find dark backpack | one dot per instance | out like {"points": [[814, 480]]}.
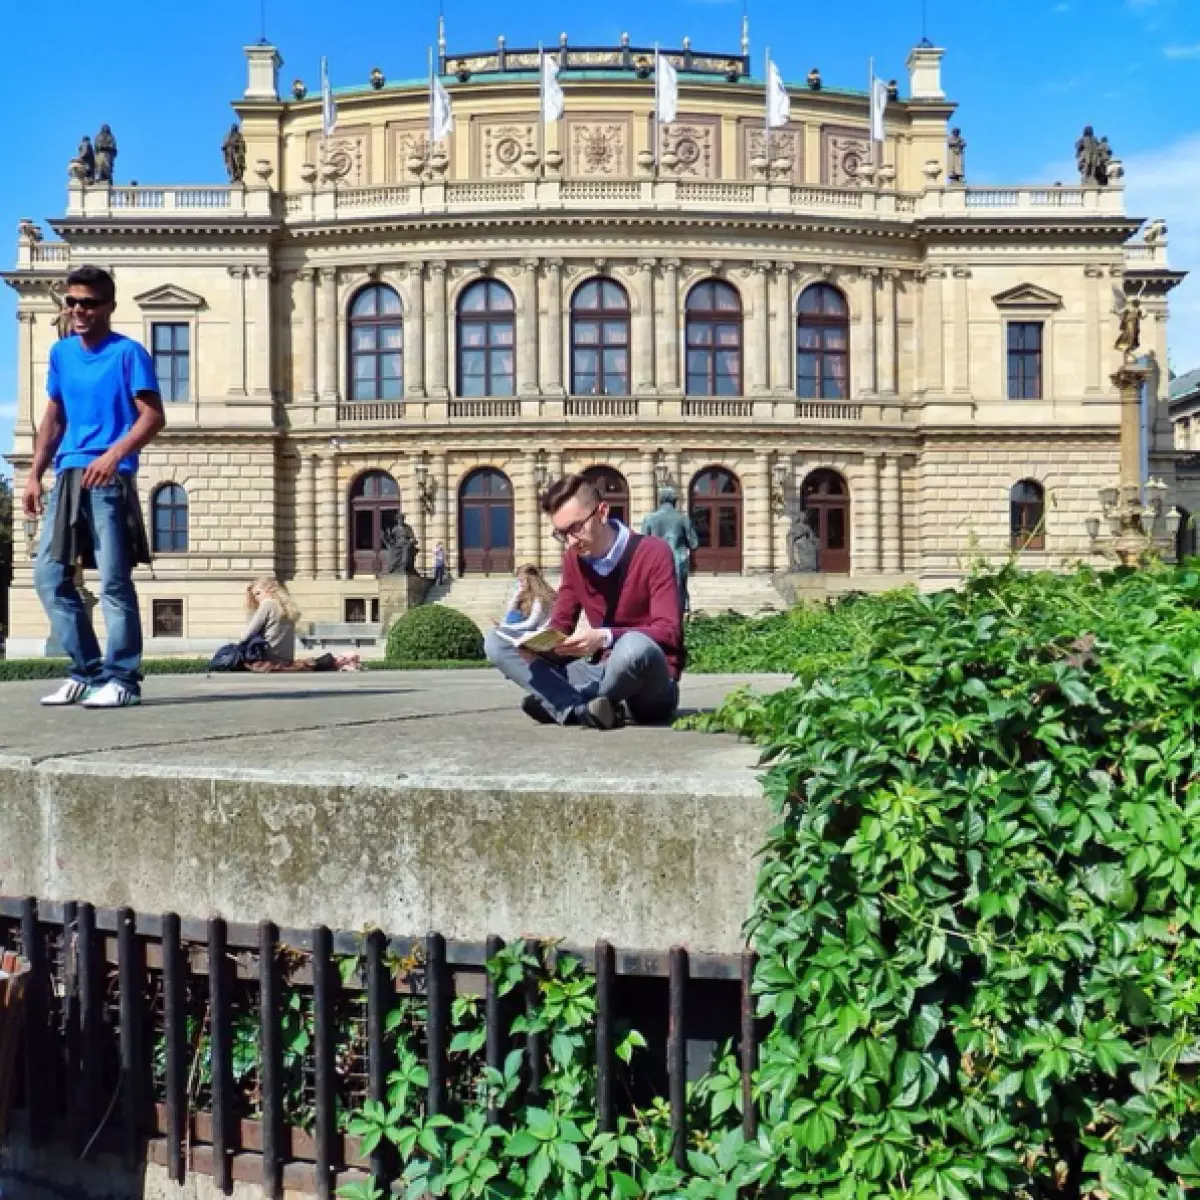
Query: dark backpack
{"points": [[236, 655]]}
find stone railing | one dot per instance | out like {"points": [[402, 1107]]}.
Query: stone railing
{"points": [[104, 200], [49, 256], [600, 406], [1024, 201], [353, 411], [1146, 255]]}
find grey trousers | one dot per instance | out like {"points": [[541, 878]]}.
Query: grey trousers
{"points": [[635, 672]]}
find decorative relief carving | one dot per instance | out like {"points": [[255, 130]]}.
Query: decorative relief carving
{"points": [[845, 153], [503, 148], [787, 151], [598, 148], [344, 157], [408, 151], [691, 148]]}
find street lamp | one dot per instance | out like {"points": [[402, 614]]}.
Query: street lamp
{"points": [[662, 476], [779, 481], [426, 484], [30, 525], [541, 473], [1136, 528]]}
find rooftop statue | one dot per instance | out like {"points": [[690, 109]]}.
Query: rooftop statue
{"points": [[956, 149], [234, 150], [106, 155], [1130, 336], [1093, 157], [676, 529], [83, 165]]}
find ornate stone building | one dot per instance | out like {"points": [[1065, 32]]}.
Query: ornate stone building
{"points": [[812, 327]]}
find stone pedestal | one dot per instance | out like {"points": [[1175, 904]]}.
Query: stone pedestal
{"points": [[397, 594]]}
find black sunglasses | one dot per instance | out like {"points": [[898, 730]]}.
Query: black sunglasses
{"points": [[87, 303]]}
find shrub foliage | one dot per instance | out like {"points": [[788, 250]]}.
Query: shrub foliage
{"points": [[434, 632]]}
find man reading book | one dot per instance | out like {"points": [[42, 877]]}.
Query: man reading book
{"points": [[632, 654]]}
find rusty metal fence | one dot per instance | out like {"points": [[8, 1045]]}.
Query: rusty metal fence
{"points": [[237, 1051]]}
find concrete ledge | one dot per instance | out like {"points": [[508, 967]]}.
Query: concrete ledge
{"points": [[409, 801]]}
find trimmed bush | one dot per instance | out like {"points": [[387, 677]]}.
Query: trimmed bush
{"points": [[433, 632]]}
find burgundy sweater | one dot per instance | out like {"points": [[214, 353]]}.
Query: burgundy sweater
{"points": [[640, 594]]}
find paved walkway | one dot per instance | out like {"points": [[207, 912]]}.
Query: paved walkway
{"points": [[423, 727]]}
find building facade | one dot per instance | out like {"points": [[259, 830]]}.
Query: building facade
{"points": [[806, 327]]}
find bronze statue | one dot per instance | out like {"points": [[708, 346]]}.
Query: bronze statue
{"points": [[106, 155], [234, 150], [676, 529], [1104, 157], [1085, 155], [1130, 337], [83, 165], [399, 549], [957, 153]]}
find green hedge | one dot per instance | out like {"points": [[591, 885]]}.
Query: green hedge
{"points": [[434, 631]]}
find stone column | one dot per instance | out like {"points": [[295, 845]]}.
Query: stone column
{"points": [[526, 511], [306, 522], [437, 328], [933, 339], [261, 373], [26, 413], [1093, 368], [890, 516], [414, 335], [962, 330], [644, 498], [867, 364], [551, 334], [527, 329], [237, 331], [668, 334], [758, 333], [887, 336], [759, 522], [868, 519], [327, 337], [327, 517], [783, 360], [304, 353], [642, 333]]}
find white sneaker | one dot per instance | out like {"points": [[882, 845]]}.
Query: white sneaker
{"points": [[71, 692], [111, 695]]}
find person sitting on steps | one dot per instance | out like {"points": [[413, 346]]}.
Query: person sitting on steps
{"points": [[633, 653]]}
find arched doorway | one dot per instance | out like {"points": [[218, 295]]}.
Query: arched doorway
{"points": [[613, 489], [715, 506], [374, 509], [826, 501], [485, 523]]}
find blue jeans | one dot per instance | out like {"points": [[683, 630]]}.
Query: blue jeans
{"points": [[69, 622], [635, 672]]}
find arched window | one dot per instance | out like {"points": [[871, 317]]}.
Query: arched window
{"points": [[486, 338], [715, 506], [1027, 515], [714, 340], [613, 489], [600, 339], [822, 344], [169, 520], [826, 502], [376, 345], [485, 523], [374, 509]]}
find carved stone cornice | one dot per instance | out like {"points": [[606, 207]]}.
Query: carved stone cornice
{"points": [[306, 274], [962, 272], [238, 272], [329, 274]]}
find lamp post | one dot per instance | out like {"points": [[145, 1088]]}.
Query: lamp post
{"points": [[662, 473], [426, 484], [779, 481], [541, 474], [30, 527]]}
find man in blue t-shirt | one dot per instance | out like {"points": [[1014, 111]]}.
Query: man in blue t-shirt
{"points": [[104, 407]]}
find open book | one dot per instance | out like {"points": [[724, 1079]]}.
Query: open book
{"points": [[538, 641]]}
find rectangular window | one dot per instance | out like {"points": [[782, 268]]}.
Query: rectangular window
{"points": [[172, 358], [166, 619], [1025, 360], [356, 610]]}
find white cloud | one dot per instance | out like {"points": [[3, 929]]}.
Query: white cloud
{"points": [[1182, 51], [1165, 183]]}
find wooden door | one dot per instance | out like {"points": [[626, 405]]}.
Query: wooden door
{"points": [[374, 509], [485, 524], [715, 506], [827, 510]]}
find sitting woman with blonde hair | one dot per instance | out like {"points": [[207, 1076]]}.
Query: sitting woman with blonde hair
{"points": [[531, 604], [274, 620]]}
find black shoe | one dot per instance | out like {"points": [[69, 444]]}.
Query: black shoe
{"points": [[598, 714], [531, 706]]}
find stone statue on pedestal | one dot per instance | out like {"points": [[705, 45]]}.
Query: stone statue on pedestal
{"points": [[83, 165], [399, 549], [1104, 157], [234, 150], [1085, 155], [1130, 336], [106, 155], [804, 551], [676, 529], [956, 149]]}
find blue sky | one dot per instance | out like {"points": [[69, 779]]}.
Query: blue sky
{"points": [[1028, 74]]}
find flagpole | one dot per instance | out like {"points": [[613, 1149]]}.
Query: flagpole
{"points": [[431, 102], [541, 110], [871, 105], [767, 116], [657, 137]]}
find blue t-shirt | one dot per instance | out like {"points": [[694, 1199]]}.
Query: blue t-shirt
{"points": [[96, 389]]}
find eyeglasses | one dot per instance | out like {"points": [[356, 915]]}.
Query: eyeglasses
{"points": [[87, 303], [561, 535]]}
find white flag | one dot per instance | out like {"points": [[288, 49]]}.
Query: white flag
{"points": [[779, 103], [553, 100], [879, 102], [441, 115], [668, 91], [328, 108]]}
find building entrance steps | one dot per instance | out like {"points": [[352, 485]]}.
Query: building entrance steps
{"points": [[405, 800]]}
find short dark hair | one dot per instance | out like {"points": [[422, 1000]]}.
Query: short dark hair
{"points": [[97, 279], [566, 488]]}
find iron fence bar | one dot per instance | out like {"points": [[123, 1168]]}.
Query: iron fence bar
{"points": [[37, 1081], [220, 1027], [494, 1023], [677, 1054], [176, 1039], [91, 1018], [606, 964], [749, 1054], [270, 1016], [70, 1024], [437, 1003], [132, 980], [379, 999], [533, 1039], [324, 1022]]}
